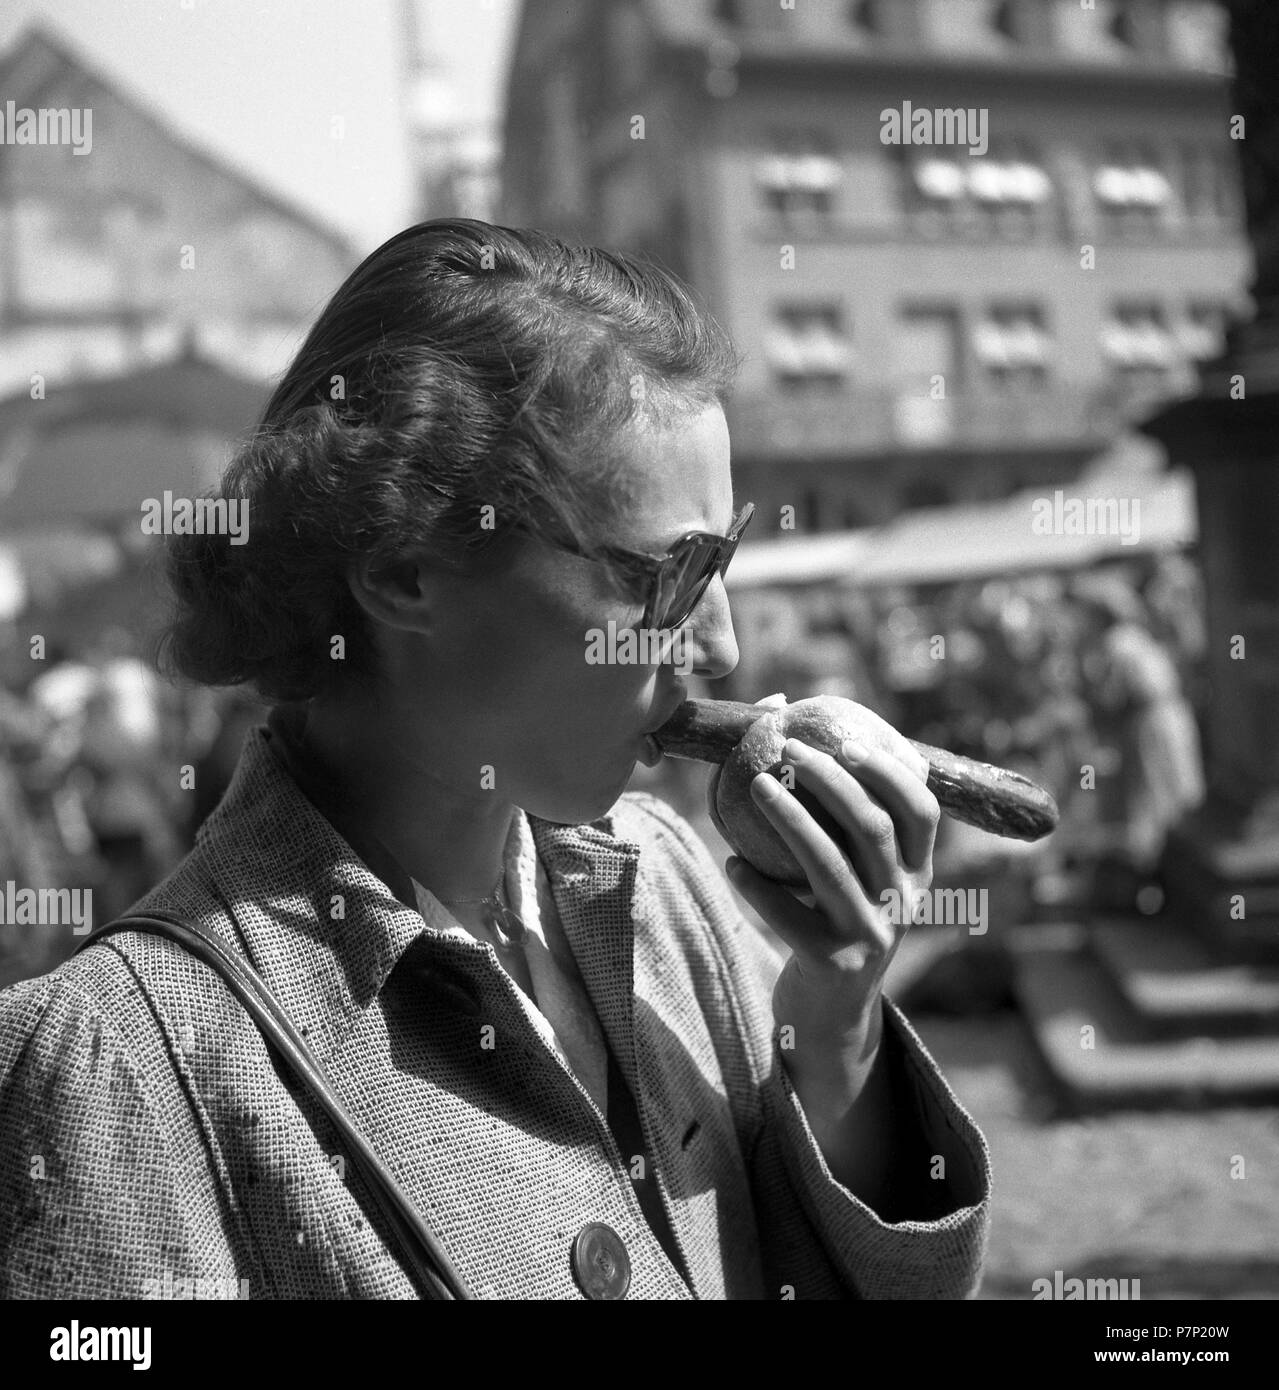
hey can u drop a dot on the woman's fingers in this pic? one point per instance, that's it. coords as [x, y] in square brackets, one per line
[848, 914]
[809, 933]
[889, 815]
[825, 865]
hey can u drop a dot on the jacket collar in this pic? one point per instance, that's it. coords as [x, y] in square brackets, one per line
[325, 931]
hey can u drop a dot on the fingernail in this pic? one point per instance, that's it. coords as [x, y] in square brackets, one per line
[854, 752]
[794, 750]
[766, 787]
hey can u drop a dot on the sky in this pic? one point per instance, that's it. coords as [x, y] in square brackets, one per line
[259, 83]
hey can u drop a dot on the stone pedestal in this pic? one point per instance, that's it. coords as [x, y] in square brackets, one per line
[1222, 863]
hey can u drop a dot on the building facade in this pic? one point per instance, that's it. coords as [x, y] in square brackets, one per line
[454, 159]
[961, 242]
[142, 245]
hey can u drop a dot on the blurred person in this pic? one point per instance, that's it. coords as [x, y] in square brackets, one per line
[534, 993]
[1174, 598]
[32, 852]
[1161, 762]
[122, 738]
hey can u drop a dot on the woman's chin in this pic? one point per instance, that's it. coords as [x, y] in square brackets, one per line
[580, 806]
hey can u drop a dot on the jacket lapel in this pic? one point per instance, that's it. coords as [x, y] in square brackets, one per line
[603, 909]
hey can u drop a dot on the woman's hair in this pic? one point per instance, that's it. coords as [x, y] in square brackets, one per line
[466, 382]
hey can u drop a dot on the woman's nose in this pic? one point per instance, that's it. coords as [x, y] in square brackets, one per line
[710, 628]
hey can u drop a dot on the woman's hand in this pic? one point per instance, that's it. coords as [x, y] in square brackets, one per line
[842, 937]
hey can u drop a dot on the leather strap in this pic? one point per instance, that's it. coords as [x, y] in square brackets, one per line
[436, 1275]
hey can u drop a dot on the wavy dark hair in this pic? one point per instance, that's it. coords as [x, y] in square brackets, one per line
[461, 366]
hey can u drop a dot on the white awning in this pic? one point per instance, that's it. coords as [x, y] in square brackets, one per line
[939, 178]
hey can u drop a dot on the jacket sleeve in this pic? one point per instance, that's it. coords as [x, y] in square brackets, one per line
[91, 1200]
[817, 1238]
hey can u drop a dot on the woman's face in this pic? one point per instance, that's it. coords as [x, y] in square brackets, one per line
[495, 694]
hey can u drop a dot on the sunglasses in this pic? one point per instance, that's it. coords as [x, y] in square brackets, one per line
[677, 580]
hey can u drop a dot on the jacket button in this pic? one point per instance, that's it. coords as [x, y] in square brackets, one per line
[600, 1262]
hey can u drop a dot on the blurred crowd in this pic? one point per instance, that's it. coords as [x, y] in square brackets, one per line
[106, 771]
[1084, 682]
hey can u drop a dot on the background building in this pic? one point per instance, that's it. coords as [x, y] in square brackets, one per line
[924, 323]
[147, 247]
[454, 156]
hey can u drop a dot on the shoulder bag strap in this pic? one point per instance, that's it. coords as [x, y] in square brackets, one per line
[437, 1277]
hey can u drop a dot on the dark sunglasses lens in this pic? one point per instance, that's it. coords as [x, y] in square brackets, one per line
[691, 572]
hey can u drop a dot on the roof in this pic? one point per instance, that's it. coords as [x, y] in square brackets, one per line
[40, 51]
[767, 37]
[187, 391]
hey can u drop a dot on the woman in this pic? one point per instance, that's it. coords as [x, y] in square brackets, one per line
[533, 991]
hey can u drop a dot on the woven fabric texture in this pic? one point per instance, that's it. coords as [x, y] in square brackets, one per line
[147, 1141]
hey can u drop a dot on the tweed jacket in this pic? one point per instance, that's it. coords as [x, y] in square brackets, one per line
[148, 1143]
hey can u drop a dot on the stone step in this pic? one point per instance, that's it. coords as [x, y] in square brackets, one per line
[1177, 985]
[1211, 880]
[1063, 990]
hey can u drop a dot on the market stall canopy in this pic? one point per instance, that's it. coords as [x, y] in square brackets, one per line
[187, 391]
[1136, 508]
[105, 472]
[97, 448]
[1070, 527]
[799, 559]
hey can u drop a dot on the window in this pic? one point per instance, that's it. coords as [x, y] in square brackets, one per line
[926, 347]
[807, 345]
[1202, 332]
[1137, 344]
[1005, 192]
[867, 15]
[1197, 35]
[799, 177]
[1208, 183]
[1132, 192]
[1012, 346]
[1011, 188]
[1111, 31]
[1004, 19]
[77, 255]
[1122, 27]
[927, 373]
[962, 26]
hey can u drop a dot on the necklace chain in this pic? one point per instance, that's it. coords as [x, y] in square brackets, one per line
[499, 915]
[496, 896]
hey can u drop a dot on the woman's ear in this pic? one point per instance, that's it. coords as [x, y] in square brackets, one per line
[401, 594]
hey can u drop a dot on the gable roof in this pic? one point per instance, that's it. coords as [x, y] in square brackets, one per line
[40, 54]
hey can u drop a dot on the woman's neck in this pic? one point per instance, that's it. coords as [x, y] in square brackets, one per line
[357, 765]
